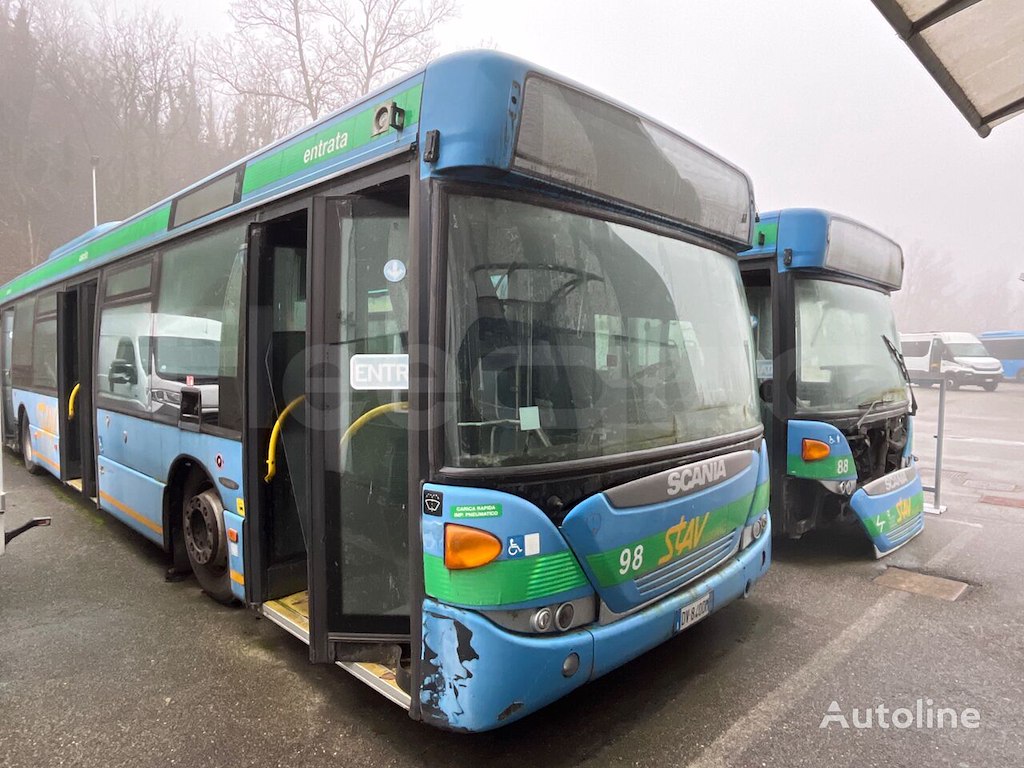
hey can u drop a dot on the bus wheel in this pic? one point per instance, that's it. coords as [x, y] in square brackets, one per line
[27, 455]
[952, 384]
[202, 523]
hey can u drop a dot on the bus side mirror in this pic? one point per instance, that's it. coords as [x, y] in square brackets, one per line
[765, 391]
[122, 372]
[190, 416]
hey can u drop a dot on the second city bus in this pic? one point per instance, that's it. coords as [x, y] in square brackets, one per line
[455, 385]
[836, 394]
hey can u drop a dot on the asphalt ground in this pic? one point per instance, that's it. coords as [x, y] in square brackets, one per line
[103, 663]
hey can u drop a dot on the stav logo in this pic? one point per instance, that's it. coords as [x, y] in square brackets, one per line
[695, 476]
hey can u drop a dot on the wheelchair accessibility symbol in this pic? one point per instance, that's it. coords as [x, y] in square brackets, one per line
[525, 545]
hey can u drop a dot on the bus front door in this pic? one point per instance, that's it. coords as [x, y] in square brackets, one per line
[359, 395]
[76, 315]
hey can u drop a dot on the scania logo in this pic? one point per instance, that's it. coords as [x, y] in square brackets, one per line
[897, 479]
[695, 476]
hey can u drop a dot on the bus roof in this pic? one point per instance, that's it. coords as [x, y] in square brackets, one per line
[474, 104]
[812, 238]
[1001, 335]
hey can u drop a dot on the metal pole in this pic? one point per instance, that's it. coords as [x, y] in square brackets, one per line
[95, 216]
[936, 508]
[3, 496]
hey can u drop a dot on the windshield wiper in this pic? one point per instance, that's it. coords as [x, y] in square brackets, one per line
[870, 407]
[901, 365]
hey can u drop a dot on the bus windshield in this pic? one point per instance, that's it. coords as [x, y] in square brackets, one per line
[570, 337]
[843, 361]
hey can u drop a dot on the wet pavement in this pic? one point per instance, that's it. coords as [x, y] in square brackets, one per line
[103, 663]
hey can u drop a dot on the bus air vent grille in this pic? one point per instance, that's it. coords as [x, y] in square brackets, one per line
[686, 569]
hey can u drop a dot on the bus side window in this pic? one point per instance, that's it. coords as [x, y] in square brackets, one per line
[120, 372]
[759, 299]
[196, 326]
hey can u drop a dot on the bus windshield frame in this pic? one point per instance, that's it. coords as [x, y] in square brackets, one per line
[868, 378]
[567, 362]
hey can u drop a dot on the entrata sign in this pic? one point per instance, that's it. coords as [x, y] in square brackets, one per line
[379, 372]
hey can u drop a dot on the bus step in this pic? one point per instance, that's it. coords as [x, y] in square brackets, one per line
[292, 614]
[76, 484]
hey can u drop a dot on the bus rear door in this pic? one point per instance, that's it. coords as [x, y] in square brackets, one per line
[76, 315]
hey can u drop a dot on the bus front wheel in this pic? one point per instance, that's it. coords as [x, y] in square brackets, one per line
[27, 455]
[202, 524]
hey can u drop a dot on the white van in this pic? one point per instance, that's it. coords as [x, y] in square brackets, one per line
[959, 358]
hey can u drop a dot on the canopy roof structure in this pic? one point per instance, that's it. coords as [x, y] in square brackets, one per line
[973, 48]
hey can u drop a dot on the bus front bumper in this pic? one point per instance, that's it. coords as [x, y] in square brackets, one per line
[478, 676]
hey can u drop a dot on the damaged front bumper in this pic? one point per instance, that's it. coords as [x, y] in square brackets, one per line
[478, 676]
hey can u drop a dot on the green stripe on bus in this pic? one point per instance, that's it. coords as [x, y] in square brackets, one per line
[126, 235]
[761, 497]
[823, 469]
[895, 516]
[770, 230]
[503, 582]
[659, 549]
[328, 144]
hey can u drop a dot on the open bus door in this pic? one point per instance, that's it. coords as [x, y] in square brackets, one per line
[326, 524]
[76, 308]
[9, 430]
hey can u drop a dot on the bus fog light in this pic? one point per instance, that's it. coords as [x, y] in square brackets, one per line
[759, 525]
[564, 616]
[571, 664]
[847, 487]
[542, 620]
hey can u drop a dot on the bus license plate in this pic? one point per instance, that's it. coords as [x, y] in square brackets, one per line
[694, 612]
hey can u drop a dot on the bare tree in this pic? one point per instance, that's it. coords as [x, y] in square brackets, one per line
[381, 39]
[302, 58]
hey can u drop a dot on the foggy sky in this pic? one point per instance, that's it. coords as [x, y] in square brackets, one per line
[817, 100]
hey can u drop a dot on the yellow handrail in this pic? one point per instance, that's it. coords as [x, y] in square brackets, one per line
[373, 413]
[71, 400]
[275, 434]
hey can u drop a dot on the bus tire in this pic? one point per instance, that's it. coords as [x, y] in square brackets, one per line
[27, 454]
[202, 525]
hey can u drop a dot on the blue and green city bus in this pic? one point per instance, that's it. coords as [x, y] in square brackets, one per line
[834, 388]
[454, 385]
[1008, 347]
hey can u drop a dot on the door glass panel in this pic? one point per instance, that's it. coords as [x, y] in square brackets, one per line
[368, 459]
[286, 368]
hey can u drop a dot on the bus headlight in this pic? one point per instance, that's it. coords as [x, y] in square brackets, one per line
[753, 531]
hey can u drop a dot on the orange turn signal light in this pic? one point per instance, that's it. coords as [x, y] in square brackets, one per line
[466, 547]
[814, 450]
[232, 535]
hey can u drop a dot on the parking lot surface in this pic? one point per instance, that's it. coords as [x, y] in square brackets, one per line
[103, 663]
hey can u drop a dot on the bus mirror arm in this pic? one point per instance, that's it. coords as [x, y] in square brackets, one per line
[275, 436]
[35, 522]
